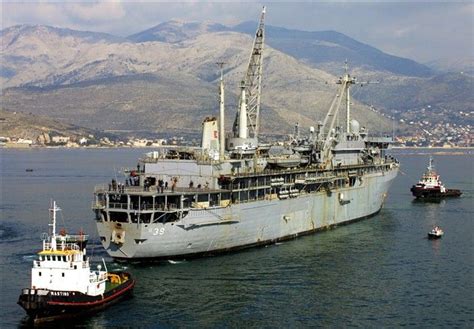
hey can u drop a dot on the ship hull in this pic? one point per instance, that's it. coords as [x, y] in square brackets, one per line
[210, 231]
[46, 305]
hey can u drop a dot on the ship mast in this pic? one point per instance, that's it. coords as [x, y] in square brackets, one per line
[348, 80]
[327, 129]
[221, 114]
[252, 84]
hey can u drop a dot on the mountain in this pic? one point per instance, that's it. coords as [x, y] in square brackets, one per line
[176, 31]
[32, 55]
[329, 49]
[438, 104]
[322, 49]
[165, 79]
[464, 65]
[29, 126]
[168, 87]
[11, 34]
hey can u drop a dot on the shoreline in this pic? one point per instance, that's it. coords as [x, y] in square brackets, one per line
[36, 147]
[432, 147]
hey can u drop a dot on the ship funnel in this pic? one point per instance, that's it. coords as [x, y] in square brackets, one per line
[210, 137]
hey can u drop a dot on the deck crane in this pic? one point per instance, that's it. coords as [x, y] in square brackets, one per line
[247, 124]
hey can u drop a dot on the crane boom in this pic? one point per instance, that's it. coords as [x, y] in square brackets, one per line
[253, 82]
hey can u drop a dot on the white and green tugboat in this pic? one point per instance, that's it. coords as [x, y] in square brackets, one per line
[234, 192]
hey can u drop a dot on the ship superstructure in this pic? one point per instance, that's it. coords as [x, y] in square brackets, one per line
[234, 192]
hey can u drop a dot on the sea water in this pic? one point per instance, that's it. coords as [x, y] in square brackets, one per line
[380, 272]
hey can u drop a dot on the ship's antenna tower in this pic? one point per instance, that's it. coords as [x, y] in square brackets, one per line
[253, 83]
[327, 128]
[348, 80]
[221, 113]
[327, 134]
[332, 114]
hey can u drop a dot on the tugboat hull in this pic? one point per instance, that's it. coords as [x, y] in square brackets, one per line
[48, 305]
[434, 193]
[434, 236]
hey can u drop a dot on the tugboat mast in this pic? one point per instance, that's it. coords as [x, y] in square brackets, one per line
[53, 210]
[430, 166]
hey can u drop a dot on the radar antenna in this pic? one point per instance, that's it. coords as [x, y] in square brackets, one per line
[253, 83]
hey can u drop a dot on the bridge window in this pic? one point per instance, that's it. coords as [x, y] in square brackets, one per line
[203, 197]
[145, 218]
[146, 203]
[225, 196]
[173, 202]
[187, 201]
[213, 200]
[352, 180]
[165, 217]
[121, 217]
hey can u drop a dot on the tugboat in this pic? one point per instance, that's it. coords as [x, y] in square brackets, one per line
[435, 233]
[63, 284]
[430, 186]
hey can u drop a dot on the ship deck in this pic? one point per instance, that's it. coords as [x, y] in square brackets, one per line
[152, 190]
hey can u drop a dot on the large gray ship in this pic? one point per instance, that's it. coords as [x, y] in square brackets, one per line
[234, 192]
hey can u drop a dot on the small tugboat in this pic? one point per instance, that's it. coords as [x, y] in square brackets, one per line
[435, 233]
[430, 186]
[63, 284]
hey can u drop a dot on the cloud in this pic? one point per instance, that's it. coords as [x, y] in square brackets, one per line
[79, 15]
[32, 13]
[98, 12]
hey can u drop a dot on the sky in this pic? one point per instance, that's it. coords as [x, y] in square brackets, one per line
[423, 30]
